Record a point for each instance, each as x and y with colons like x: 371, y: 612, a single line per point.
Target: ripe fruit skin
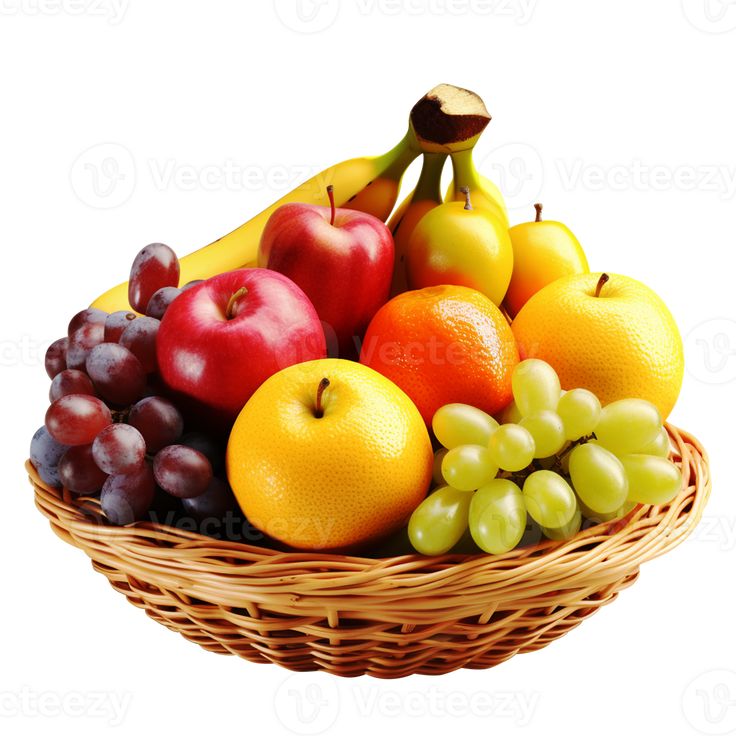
x: 621, y: 344
x: 544, y: 251
x: 219, y: 362
x: 455, y: 245
x: 344, y: 268
x: 442, y: 345
x: 338, y: 481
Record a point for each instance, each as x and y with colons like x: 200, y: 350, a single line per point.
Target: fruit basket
x: 388, y: 617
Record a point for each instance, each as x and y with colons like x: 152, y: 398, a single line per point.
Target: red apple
x: 341, y: 258
x: 220, y: 340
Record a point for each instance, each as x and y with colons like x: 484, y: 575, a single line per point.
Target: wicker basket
x: 383, y: 617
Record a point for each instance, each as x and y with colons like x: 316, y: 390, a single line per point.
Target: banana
x: 425, y: 197
x: 371, y: 182
x: 447, y: 119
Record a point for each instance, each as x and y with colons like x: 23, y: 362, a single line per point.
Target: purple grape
x: 116, y: 373
x: 159, y: 302
x: 119, y: 448
x: 82, y: 342
x: 212, y: 450
x: 158, y: 420
x: 190, y: 284
x: 214, y: 503
x: 182, y: 471
x: 76, y: 419
x: 55, y: 360
x: 79, y: 472
x: 126, y: 498
x: 154, y: 267
x: 70, y: 381
x: 45, y: 455
x: 140, y: 338
x: 90, y: 316
x: 115, y: 323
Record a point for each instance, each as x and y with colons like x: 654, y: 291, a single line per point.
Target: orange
x: 441, y: 345
x: 622, y: 343
x: 335, y: 471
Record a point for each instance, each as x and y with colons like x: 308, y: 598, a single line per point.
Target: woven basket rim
x: 382, y: 616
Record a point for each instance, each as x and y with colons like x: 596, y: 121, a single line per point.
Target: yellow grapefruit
x: 329, y: 455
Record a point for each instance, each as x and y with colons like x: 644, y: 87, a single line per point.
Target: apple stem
x: 602, y: 281
x: 466, y: 192
x: 331, y: 195
x: 242, y: 291
x: 319, y: 412
x: 538, y: 209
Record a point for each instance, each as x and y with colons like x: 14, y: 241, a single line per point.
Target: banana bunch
x: 446, y: 121
x: 369, y: 184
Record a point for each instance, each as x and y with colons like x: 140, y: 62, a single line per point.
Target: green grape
x: 511, y: 414
x: 547, y: 430
x: 580, y: 411
x: 628, y: 425
x: 497, y: 516
x: 461, y: 424
x: 535, y: 386
x: 549, y: 499
x: 440, y: 521
x: 598, y: 477
x: 660, y: 446
x: 468, y: 467
x: 597, y: 516
x: 511, y: 447
x: 652, y: 479
x: 439, y: 456
x: 570, y: 529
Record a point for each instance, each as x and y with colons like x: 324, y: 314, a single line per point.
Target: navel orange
x: 442, y: 345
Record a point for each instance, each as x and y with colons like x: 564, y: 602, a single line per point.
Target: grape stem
x: 573, y: 445
x: 319, y: 411
x: 120, y: 416
x: 538, y: 210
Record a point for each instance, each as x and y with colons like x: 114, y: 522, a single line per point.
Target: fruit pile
x: 444, y: 380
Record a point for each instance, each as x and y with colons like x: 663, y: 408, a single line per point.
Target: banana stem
x: 395, y: 162
x: 464, y: 172
x: 428, y: 187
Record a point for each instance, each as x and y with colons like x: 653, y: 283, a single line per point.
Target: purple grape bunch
x: 108, y: 431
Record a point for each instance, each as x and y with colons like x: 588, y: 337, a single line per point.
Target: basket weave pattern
x: 383, y: 617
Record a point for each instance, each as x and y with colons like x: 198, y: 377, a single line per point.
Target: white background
x: 618, y: 116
